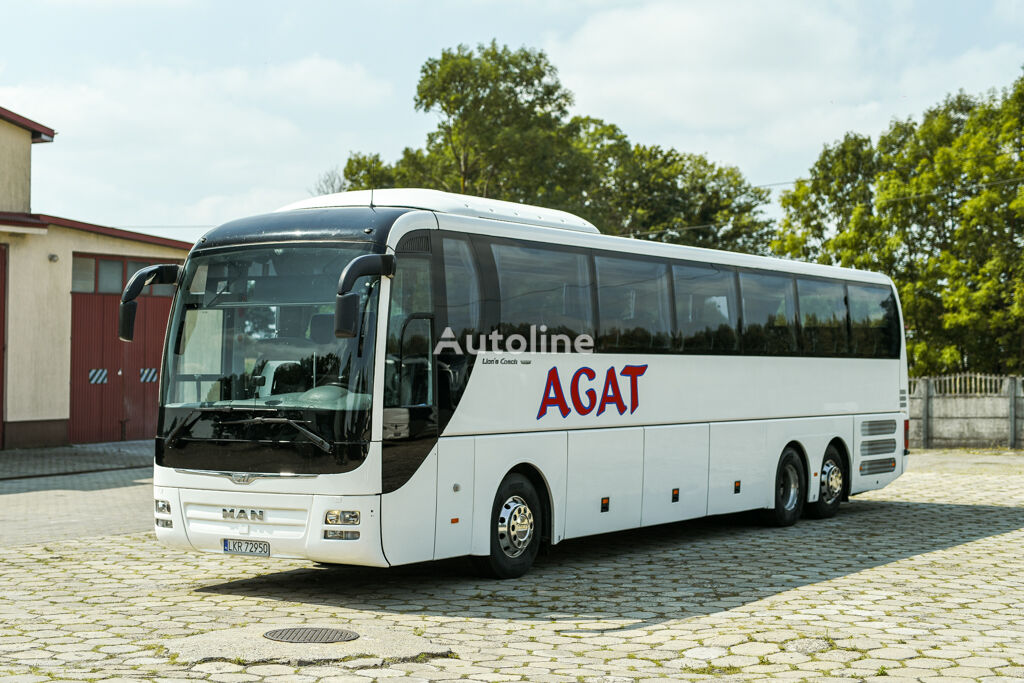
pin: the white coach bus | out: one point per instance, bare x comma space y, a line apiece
408, 375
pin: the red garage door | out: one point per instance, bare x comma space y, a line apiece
113, 384
3, 334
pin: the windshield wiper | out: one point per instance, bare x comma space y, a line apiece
172, 437
321, 442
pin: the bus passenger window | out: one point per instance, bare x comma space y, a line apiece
823, 317
408, 378
549, 287
706, 310
769, 312
874, 322
633, 305
462, 287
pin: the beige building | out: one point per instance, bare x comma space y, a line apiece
64, 375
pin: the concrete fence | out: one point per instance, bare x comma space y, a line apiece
966, 410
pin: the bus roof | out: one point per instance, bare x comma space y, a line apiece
447, 202
345, 215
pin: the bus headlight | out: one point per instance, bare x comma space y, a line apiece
334, 517
162, 507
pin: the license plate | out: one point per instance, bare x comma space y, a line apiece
237, 546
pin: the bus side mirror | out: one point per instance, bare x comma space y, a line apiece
163, 274
346, 315
346, 304
126, 320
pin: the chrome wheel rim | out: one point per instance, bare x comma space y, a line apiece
515, 526
789, 486
831, 482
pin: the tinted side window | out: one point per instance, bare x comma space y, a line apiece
633, 305
874, 322
546, 287
462, 287
769, 325
706, 310
408, 378
823, 317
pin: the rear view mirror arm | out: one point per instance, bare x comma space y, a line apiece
346, 304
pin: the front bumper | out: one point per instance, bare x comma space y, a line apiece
292, 524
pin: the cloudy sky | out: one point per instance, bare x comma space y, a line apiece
176, 115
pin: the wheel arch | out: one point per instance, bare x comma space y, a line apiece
540, 483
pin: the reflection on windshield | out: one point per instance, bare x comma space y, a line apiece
253, 328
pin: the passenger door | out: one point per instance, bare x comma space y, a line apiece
410, 425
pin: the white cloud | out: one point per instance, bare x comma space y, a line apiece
694, 63
146, 144
764, 85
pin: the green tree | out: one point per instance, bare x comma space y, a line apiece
686, 199
504, 132
491, 102
939, 206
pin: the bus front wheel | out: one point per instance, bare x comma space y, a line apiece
516, 523
790, 490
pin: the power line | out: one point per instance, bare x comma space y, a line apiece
909, 164
681, 228
878, 201
1007, 181
164, 227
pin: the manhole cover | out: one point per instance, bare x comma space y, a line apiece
311, 635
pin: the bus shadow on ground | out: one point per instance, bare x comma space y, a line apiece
639, 578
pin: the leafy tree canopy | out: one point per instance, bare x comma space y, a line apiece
938, 205
504, 131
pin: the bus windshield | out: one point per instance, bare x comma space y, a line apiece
252, 355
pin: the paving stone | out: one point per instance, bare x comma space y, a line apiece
933, 597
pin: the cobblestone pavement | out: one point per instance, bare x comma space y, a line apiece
49, 494
923, 580
43, 509
95, 457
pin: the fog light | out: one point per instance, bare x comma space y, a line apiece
164, 523
162, 507
339, 535
342, 517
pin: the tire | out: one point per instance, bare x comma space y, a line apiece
833, 483
516, 523
790, 490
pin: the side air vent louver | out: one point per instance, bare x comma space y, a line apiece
878, 466
878, 447
414, 244
878, 427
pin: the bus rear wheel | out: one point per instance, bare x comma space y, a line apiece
833, 480
790, 490
516, 523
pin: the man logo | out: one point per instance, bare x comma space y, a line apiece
249, 515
